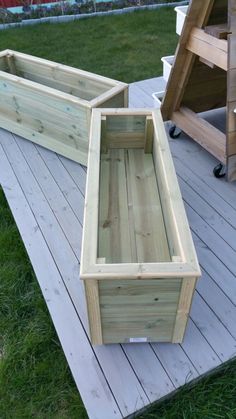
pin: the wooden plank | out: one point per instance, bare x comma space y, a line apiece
149, 370
214, 331
78, 351
149, 133
93, 301
218, 31
176, 363
138, 309
201, 164
58, 203
183, 309
114, 238
209, 215
11, 64
226, 254
70, 190
150, 235
202, 132
205, 358
219, 303
208, 47
204, 192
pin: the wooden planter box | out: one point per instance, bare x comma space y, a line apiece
138, 260
51, 104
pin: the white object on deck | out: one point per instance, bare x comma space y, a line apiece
157, 98
180, 18
167, 65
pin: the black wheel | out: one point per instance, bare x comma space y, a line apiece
172, 132
219, 171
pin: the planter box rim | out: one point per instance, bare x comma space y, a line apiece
113, 86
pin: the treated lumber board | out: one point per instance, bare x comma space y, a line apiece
176, 363
184, 305
206, 193
218, 31
76, 346
169, 175
231, 105
204, 358
132, 321
76, 172
150, 237
201, 131
114, 237
201, 163
208, 47
213, 330
69, 189
59, 205
225, 253
219, 303
149, 370
209, 215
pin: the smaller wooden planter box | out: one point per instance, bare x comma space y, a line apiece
138, 260
51, 104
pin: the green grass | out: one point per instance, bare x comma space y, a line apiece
34, 377
127, 47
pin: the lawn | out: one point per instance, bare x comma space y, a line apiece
34, 377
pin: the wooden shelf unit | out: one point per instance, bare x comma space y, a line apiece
203, 78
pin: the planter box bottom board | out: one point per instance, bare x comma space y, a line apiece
131, 224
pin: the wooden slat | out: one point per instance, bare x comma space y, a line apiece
202, 132
218, 31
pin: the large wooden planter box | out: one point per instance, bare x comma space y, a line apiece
138, 260
51, 104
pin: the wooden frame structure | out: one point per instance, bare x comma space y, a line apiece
203, 78
51, 104
138, 260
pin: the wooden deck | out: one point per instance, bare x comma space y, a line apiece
46, 196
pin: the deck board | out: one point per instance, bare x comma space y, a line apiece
46, 195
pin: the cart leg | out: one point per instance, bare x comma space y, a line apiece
174, 132
219, 171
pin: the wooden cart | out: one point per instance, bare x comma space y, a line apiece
51, 104
203, 78
138, 260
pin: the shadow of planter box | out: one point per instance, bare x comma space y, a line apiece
51, 104
138, 260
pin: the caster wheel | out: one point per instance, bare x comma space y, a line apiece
219, 171
173, 133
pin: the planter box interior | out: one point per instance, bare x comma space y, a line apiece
51, 104
138, 260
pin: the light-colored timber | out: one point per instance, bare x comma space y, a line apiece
203, 78
117, 381
51, 104
138, 260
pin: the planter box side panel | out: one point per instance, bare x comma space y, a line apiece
120, 100
55, 123
133, 310
67, 80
